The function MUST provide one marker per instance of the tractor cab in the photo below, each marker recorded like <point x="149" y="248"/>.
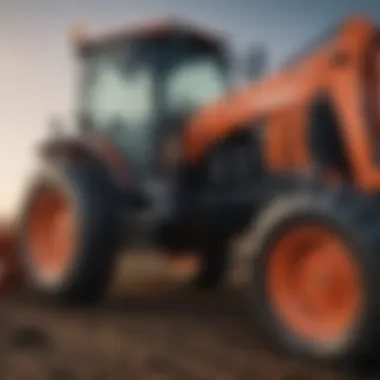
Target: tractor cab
<point x="139" y="87"/>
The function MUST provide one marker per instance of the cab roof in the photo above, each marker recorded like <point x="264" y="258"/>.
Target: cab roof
<point x="164" y="28"/>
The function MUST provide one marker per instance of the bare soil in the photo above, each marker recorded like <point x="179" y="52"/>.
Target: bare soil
<point x="151" y="326"/>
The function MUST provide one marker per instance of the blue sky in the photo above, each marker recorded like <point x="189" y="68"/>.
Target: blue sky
<point x="38" y="74"/>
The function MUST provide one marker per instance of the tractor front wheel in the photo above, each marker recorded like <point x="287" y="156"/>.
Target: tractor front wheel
<point x="314" y="286"/>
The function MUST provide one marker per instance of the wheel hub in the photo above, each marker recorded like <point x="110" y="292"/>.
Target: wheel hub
<point x="314" y="283"/>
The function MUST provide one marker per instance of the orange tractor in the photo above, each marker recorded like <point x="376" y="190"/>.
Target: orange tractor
<point x="166" y="153"/>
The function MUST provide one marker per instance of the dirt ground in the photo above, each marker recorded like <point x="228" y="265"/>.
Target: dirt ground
<point x="150" y="327"/>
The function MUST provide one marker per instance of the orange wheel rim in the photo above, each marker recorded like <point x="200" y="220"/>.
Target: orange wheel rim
<point x="314" y="283"/>
<point x="51" y="233"/>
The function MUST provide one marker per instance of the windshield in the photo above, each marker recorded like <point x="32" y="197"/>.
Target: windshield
<point x="119" y="102"/>
<point x="129" y="89"/>
<point x="111" y="93"/>
<point x="194" y="84"/>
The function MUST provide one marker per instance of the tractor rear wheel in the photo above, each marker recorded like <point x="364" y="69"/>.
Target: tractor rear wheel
<point x="70" y="231"/>
<point x="314" y="286"/>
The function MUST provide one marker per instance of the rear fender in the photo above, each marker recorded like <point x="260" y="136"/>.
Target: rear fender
<point x="96" y="149"/>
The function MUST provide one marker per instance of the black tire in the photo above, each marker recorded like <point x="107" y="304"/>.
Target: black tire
<point x="213" y="267"/>
<point x="96" y="205"/>
<point x="355" y="218"/>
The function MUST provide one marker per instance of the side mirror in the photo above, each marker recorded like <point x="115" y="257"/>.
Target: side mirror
<point x="257" y="62"/>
